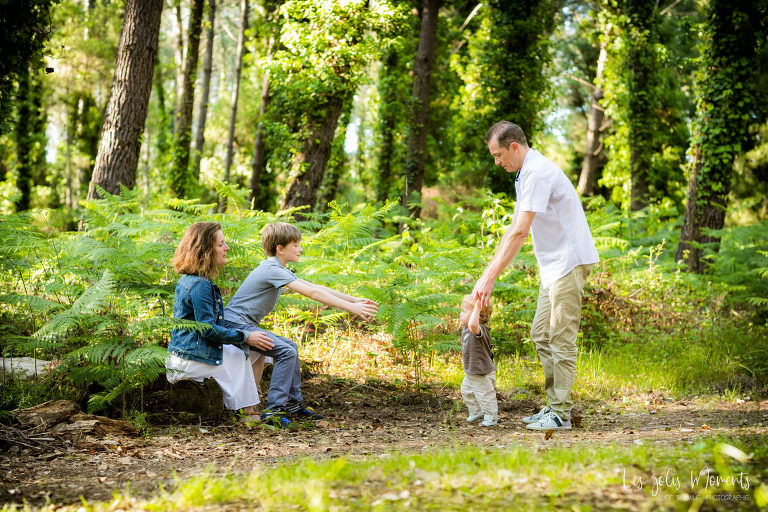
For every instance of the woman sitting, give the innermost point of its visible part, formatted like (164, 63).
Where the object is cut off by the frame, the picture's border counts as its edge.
(215, 351)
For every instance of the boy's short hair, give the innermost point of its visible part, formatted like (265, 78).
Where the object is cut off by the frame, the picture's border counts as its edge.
(485, 311)
(278, 233)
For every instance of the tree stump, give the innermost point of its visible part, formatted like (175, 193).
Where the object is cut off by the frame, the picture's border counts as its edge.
(204, 399)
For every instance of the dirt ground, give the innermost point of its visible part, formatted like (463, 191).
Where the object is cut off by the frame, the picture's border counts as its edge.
(361, 419)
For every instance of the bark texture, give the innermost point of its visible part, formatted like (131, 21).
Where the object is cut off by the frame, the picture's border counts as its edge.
(126, 110)
(417, 135)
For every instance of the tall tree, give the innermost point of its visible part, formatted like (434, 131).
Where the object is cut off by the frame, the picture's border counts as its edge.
(24, 29)
(202, 115)
(181, 180)
(337, 162)
(502, 68)
(392, 111)
(642, 81)
(244, 8)
(260, 195)
(326, 49)
(725, 110)
(595, 118)
(417, 134)
(126, 110)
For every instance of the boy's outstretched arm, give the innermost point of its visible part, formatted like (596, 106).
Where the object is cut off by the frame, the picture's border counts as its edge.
(363, 308)
(474, 319)
(344, 296)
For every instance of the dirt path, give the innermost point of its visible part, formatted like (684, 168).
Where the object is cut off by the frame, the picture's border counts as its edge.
(361, 419)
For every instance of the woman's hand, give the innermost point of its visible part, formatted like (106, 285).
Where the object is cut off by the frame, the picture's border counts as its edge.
(259, 340)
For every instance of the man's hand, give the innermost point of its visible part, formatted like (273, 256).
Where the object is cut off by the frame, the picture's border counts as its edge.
(365, 309)
(483, 289)
(259, 340)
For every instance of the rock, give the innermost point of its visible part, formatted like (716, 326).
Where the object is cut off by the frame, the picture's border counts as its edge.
(47, 414)
(204, 399)
(25, 367)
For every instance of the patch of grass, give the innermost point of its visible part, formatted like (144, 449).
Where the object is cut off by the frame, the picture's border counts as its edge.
(716, 472)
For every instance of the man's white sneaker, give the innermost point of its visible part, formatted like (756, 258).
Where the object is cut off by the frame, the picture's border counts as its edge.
(474, 416)
(489, 421)
(550, 421)
(533, 418)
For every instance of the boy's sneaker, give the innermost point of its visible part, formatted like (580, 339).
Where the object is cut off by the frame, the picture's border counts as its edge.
(306, 413)
(278, 419)
(474, 416)
(489, 421)
(550, 421)
(533, 418)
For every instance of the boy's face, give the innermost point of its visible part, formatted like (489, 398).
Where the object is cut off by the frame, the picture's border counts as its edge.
(289, 253)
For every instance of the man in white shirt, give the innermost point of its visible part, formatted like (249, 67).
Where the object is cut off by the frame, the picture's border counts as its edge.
(549, 208)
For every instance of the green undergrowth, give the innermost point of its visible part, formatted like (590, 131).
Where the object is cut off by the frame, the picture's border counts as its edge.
(98, 302)
(705, 474)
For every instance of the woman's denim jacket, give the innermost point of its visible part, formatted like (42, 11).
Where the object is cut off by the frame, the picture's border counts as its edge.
(198, 299)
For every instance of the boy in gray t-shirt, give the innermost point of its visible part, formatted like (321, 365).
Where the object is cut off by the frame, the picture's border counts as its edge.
(256, 298)
(477, 388)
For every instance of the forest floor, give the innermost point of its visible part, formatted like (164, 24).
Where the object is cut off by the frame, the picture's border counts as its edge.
(362, 419)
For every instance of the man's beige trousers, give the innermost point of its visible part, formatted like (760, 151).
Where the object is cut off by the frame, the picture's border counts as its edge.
(554, 330)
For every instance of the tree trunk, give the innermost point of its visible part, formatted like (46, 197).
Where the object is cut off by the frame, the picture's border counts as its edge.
(337, 162)
(244, 7)
(592, 161)
(387, 124)
(179, 59)
(181, 180)
(126, 110)
(417, 134)
(259, 147)
(207, 67)
(24, 140)
(723, 108)
(309, 164)
(641, 87)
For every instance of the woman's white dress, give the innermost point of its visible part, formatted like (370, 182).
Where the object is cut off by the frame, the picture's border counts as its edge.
(234, 375)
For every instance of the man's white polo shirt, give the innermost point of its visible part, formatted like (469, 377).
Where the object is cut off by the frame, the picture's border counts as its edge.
(561, 236)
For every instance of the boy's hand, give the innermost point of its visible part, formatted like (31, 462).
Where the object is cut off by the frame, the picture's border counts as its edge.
(366, 310)
(259, 340)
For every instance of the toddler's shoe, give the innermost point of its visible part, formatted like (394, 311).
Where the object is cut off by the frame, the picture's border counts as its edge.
(474, 416)
(489, 421)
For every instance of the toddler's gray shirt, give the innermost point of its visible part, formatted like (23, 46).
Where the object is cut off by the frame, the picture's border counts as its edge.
(476, 351)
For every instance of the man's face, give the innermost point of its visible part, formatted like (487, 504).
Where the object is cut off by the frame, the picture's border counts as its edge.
(509, 158)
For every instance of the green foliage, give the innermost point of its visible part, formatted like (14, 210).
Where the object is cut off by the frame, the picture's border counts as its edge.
(100, 300)
(503, 70)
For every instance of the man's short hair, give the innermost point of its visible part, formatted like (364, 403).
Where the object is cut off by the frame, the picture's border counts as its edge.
(505, 133)
(278, 233)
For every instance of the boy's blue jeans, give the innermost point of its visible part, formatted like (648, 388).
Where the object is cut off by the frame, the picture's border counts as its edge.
(285, 384)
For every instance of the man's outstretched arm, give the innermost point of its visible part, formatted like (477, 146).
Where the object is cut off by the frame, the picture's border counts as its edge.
(507, 249)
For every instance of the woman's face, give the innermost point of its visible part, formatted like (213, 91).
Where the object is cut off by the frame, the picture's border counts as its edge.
(220, 248)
